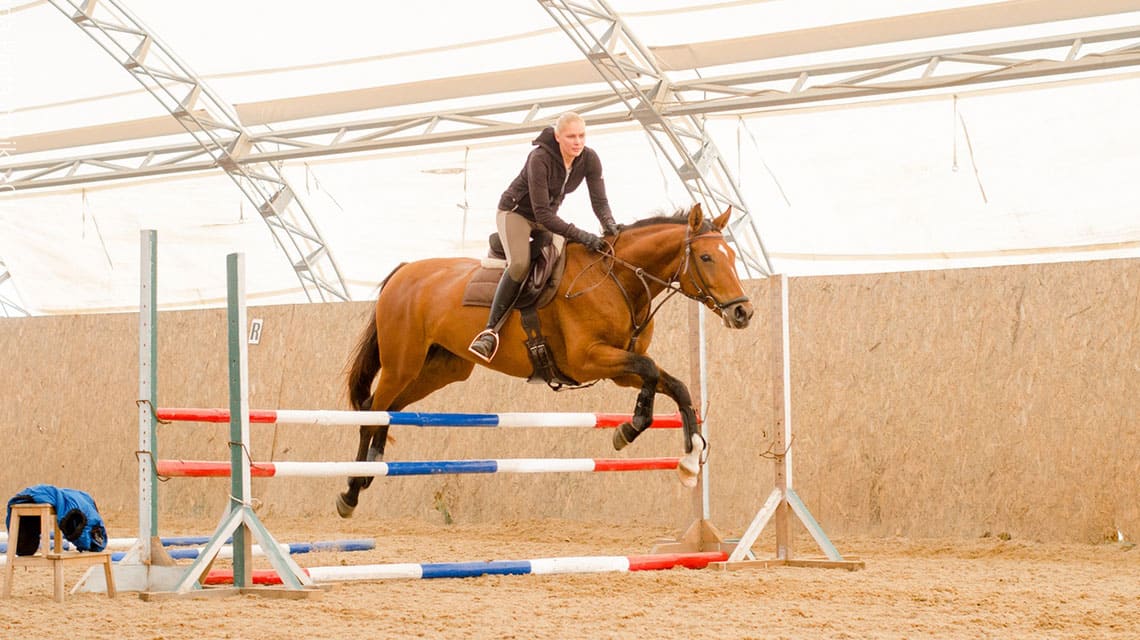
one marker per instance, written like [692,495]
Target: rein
[672,285]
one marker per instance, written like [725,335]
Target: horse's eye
[706,257]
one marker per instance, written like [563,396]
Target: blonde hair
[566,119]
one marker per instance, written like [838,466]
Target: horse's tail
[365,366]
[366,359]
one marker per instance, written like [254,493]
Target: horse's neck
[658,253]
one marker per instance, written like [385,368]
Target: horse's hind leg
[373,438]
[440,368]
[371,448]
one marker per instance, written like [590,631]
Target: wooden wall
[943,403]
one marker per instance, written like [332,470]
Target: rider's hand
[593,242]
[581,236]
[611,227]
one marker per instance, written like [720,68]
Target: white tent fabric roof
[979,177]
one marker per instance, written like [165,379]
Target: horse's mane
[680,216]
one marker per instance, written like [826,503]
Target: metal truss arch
[8,306]
[75,156]
[633,73]
[221,138]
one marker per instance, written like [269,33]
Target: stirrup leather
[482,334]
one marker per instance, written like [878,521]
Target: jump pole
[125,544]
[326,417]
[535,566]
[212,469]
[292,548]
[783,499]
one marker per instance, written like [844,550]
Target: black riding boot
[486,344]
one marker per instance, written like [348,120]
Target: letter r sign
[255,331]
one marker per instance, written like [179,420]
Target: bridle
[704,293]
[687,266]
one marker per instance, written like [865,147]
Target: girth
[545,369]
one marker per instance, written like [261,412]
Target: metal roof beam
[795,86]
[1013,13]
[915,26]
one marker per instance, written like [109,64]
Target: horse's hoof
[343,508]
[688,474]
[619,438]
[689,467]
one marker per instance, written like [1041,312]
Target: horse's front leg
[695,445]
[655,380]
[648,373]
[636,370]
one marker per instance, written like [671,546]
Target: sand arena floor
[984,588]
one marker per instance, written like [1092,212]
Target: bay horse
[598,326]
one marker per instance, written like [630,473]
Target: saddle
[547,263]
[546,266]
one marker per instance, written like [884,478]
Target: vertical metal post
[240,478]
[703,406]
[786,374]
[148,393]
[701,535]
[240,522]
[781,395]
[697,391]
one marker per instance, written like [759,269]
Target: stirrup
[478,338]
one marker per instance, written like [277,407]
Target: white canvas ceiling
[973,176]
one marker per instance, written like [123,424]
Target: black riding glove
[592,242]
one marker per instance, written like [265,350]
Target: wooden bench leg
[109,575]
[10,567]
[57,580]
[9,573]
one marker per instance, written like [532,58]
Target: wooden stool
[49,553]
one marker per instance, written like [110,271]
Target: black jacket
[538,190]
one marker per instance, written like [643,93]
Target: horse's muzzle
[737,316]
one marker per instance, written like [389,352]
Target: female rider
[556,166]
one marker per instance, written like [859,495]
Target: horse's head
[708,270]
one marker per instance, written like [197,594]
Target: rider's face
[572,138]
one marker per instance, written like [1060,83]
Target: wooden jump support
[783,501]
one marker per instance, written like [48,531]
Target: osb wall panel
[970,402]
[954,403]
[70,404]
[67,390]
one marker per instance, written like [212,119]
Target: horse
[598,326]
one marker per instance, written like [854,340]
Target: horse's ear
[722,219]
[696,217]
